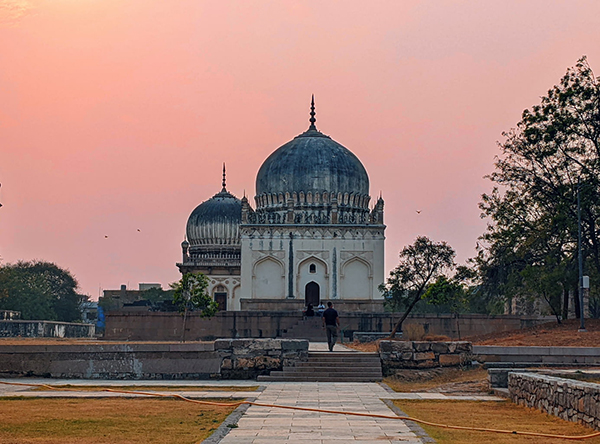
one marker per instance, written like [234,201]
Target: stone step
[287,378]
[344,360]
[333,369]
[347,372]
[345,354]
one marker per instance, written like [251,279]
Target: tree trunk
[405,315]
[184,321]
[565,307]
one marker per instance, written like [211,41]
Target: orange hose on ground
[308,409]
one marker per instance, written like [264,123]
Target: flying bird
[105,237]
[418,211]
[139,229]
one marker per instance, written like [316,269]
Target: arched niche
[356,280]
[268,279]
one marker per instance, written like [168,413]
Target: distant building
[9,315]
[116,299]
[89,312]
[312,235]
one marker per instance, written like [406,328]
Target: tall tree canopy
[420,264]
[41,291]
[530,246]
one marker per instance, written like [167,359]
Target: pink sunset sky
[116,116]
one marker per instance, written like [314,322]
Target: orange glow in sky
[116,116]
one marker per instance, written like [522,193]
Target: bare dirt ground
[550,334]
[451,381]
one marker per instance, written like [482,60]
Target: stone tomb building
[311,237]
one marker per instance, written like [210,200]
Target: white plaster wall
[268,280]
[355,280]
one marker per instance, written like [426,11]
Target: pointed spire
[224,180]
[312,119]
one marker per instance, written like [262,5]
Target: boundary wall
[165,326]
[571,400]
[45,329]
[508,355]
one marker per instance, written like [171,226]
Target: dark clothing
[330,315]
[331,336]
[309,312]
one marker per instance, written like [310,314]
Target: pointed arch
[356,279]
[268,278]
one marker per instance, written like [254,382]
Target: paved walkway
[262,425]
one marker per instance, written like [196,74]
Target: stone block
[294,344]
[440,347]
[450,360]
[422,346]
[386,346]
[423,356]
[223,344]
[464,346]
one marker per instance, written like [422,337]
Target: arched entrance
[221,297]
[312,294]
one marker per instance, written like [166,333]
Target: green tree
[451,292]
[420,264]
[40,290]
[553,153]
[190,294]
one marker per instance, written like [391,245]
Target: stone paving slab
[272,425]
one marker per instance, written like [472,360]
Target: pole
[580,254]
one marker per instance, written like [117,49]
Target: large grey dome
[216,221]
[312,162]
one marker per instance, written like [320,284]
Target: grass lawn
[104,421]
[149,388]
[408,383]
[498,415]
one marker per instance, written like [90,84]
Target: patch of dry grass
[107,421]
[498,415]
[149,388]
[421,380]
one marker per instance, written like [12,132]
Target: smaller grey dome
[216,221]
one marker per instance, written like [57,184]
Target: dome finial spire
[224,180]
[312,119]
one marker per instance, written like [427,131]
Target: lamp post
[580,254]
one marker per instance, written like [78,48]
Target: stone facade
[249,358]
[568,399]
[341,262]
[396,355]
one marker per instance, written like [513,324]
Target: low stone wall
[396,355]
[249,358]
[165,326]
[537,355]
[568,399]
[45,329]
[227,359]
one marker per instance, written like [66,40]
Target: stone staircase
[309,328]
[324,366]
